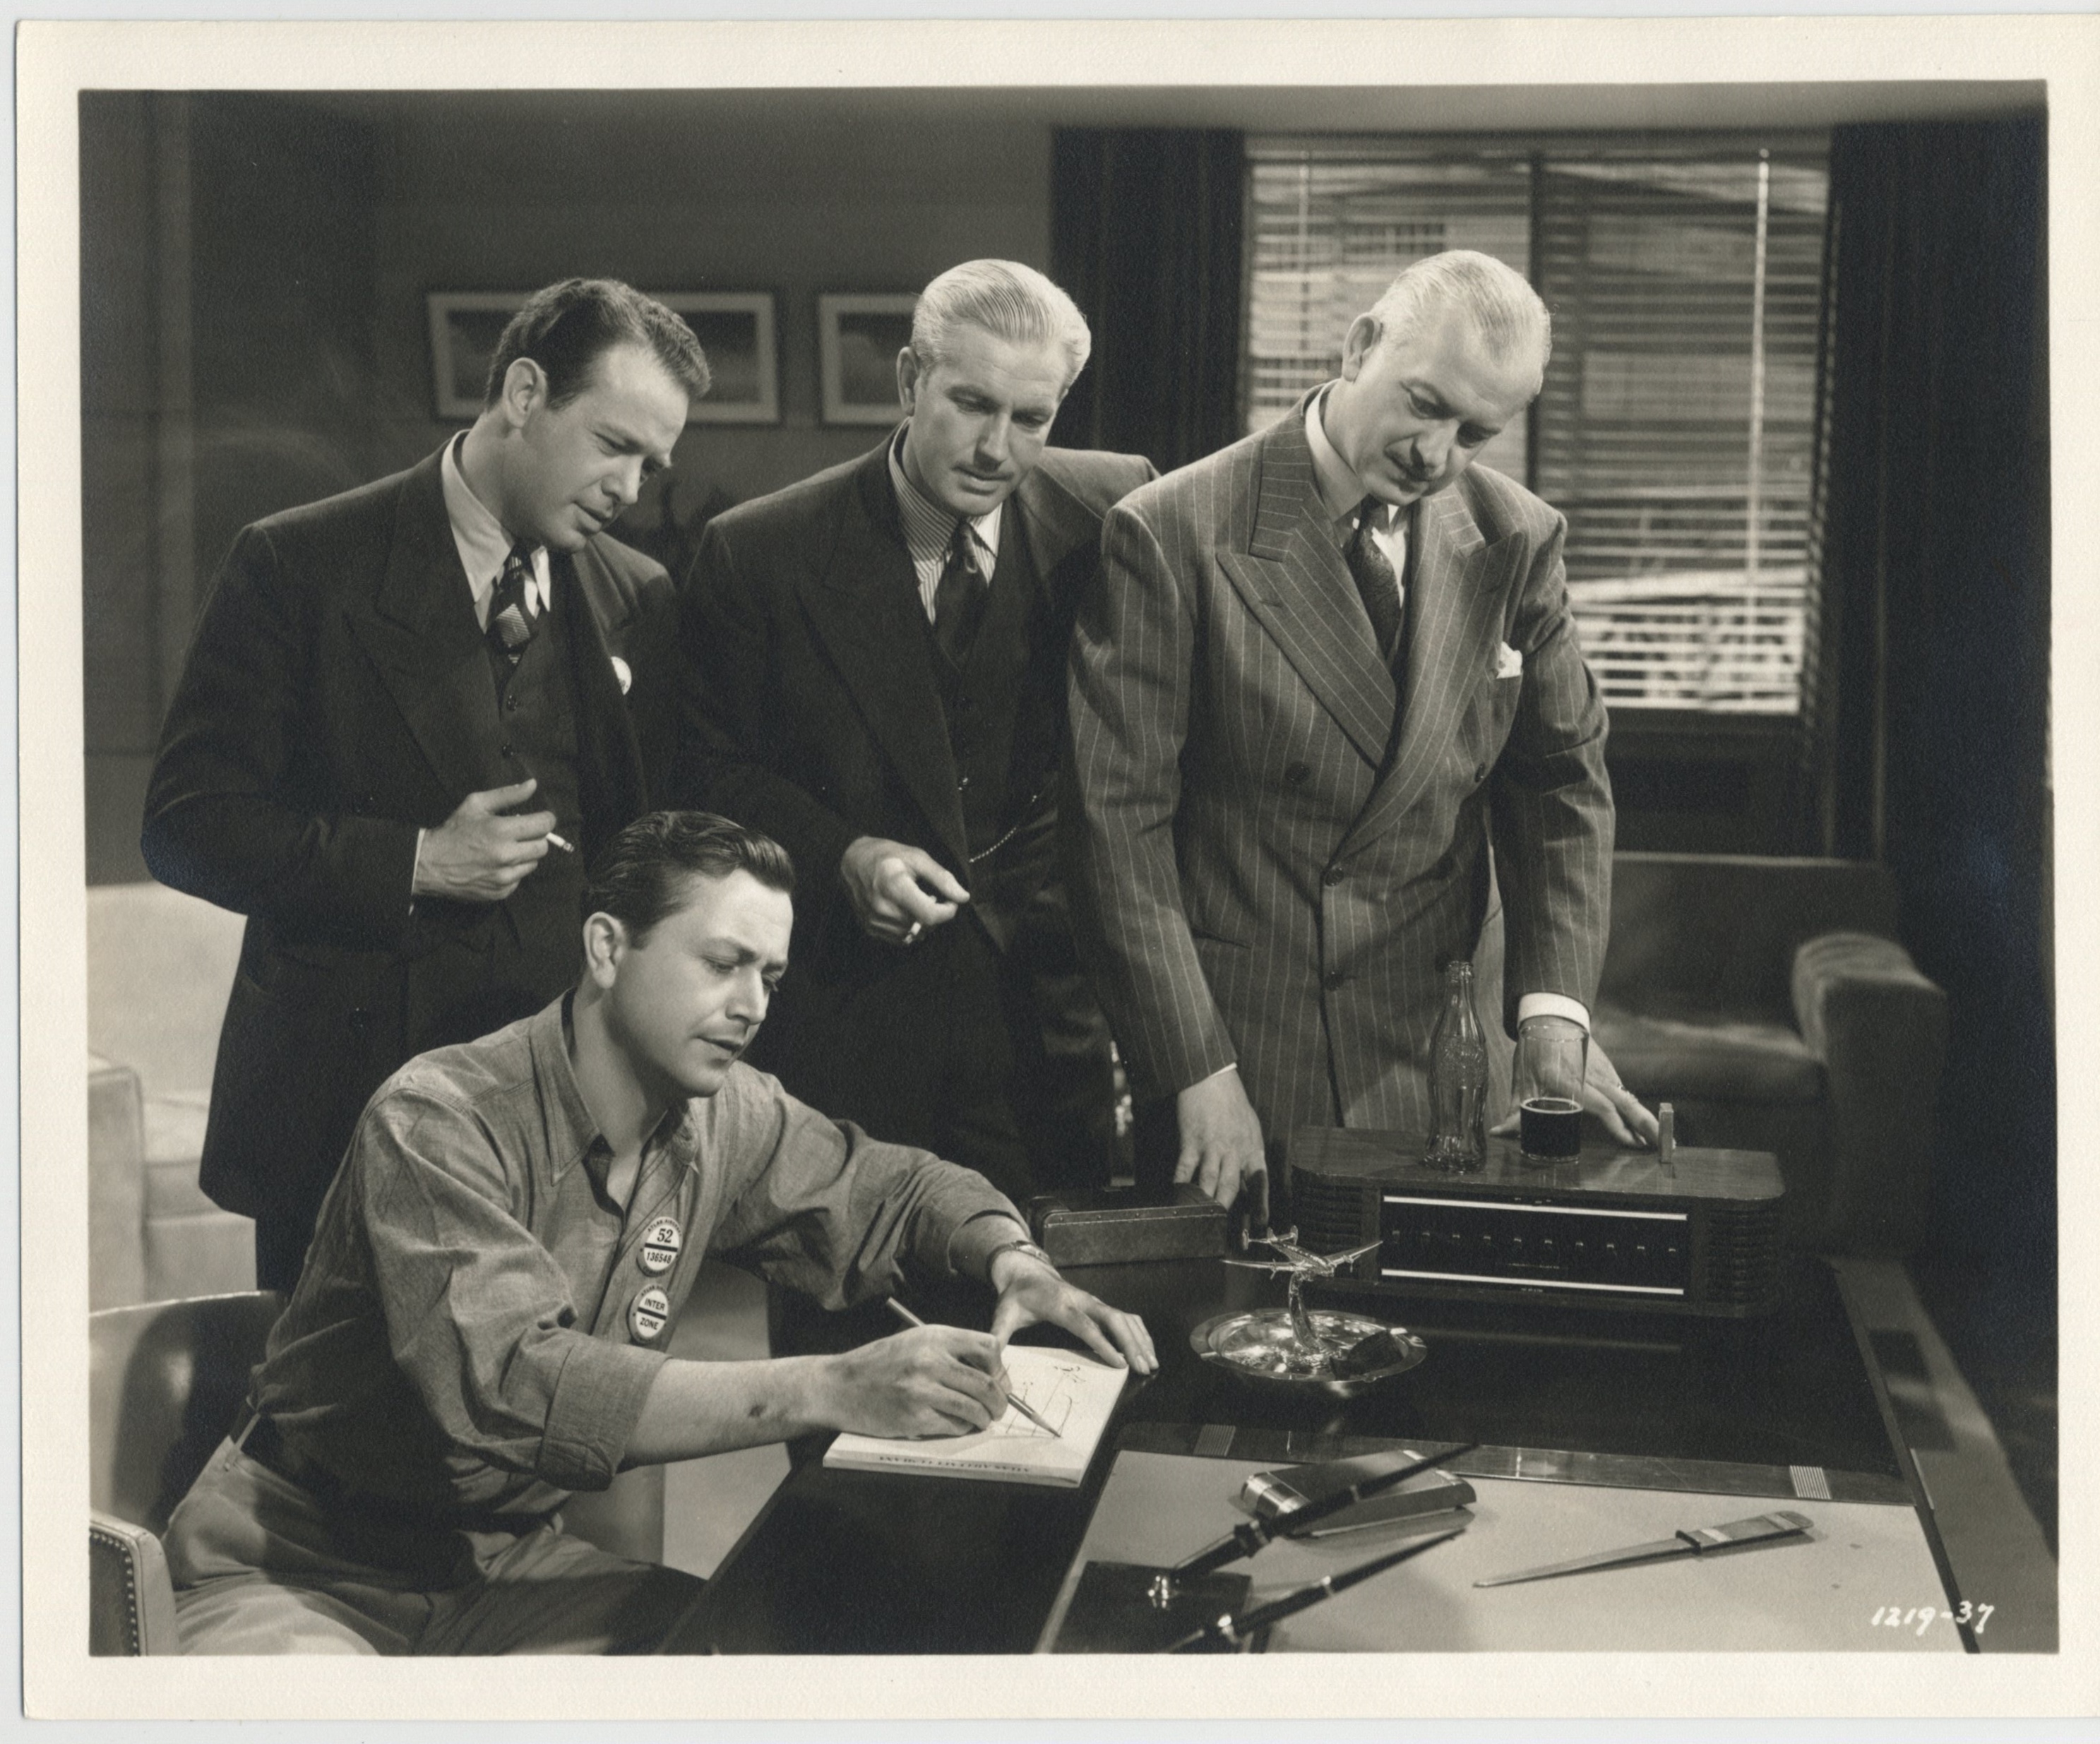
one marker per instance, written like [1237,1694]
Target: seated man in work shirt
[479,1327]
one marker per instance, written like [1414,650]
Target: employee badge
[660,1243]
[650,1313]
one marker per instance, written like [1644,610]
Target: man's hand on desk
[1221,1143]
[1623,1115]
[1030,1292]
[898,893]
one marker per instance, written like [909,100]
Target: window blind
[1676,427]
[1329,227]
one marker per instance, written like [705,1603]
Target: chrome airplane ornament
[1300,1348]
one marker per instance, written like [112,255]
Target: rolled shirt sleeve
[480,1317]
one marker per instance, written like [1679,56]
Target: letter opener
[1759,1528]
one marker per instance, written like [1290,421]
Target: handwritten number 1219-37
[1896,1617]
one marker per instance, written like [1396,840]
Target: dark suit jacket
[811,708]
[337,698]
[1254,880]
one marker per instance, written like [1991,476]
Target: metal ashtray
[1260,1346]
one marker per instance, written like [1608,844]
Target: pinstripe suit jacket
[1254,878]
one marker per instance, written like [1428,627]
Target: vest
[1002,716]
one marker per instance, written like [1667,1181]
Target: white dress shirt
[1342,495]
[483,546]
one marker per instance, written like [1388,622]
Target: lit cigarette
[565,845]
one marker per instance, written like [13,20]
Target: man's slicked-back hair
[643,874]
[1006,300]
[567,327]
[1506,313]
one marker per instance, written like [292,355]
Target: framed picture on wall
[735,329]
[858,336]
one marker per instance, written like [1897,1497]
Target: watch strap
[1019,1245]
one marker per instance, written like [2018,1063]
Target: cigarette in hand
[561,843]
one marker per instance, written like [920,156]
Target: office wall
[225,370]
[791,192]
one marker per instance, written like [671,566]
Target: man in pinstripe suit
[1326,699]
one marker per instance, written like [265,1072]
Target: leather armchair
[166,1381]
[1769,1000]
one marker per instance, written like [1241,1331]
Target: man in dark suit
[409,715]
[875,660]
[1325,695]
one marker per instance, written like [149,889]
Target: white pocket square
[623,672]
[1509,664]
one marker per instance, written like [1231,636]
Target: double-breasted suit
[815,713]
[338,696]
[1269,867]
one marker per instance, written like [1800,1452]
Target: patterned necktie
[513,611]
[1375,581]
[959,598]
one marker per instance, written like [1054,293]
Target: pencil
[1012,1399]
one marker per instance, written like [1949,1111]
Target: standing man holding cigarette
[408,713]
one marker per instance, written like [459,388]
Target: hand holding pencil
[1013,1399]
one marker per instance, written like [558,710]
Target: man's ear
[524,391]
[605,944]
[908,380]
[1362,337]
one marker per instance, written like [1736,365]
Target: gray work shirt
[461,1340]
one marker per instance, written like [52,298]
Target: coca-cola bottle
[1457,1078]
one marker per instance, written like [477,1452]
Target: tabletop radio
[1612,1229]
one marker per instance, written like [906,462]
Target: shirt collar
[483,545]
[572,1134]
[929,526]
[1342,492]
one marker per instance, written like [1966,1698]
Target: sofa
[160,966]
[1769,1001]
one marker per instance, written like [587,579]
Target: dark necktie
[959,598]
[1377,584]
[513,613]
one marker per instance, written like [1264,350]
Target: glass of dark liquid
[1552,1059]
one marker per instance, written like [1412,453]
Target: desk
[869,1562]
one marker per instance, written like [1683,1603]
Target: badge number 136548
[1924,1616]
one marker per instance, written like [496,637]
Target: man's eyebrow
[744,953]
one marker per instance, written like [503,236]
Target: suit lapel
[1295,581]
[863,604]
[596,611]
[422,637]
[1454,606]
[1056,523]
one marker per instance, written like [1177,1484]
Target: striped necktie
[514,610]
[1375,581]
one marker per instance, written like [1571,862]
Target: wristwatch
[1022,1246]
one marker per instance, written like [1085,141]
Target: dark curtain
[1936,627]
[1145,233]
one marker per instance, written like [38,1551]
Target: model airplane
[1298,1265]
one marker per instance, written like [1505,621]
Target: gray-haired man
[875,664]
